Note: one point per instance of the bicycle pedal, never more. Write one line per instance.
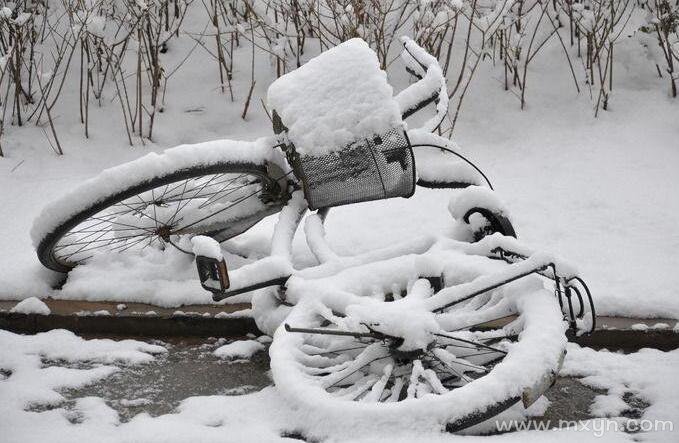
(213, 275)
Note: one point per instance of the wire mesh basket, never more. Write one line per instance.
(375, 168)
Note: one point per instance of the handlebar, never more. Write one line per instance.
(431, 86)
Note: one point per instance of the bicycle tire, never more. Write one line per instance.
(47, 236)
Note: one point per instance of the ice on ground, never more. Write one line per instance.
(334, 99)
(31, 305)
(239, 349)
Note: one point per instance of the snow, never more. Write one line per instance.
(407, 318)
(649, 374)
(335, 99)
(432, 83)
(264, 416)
(206, 246)
(437, 166)
(32, 305)
(239, 349)
(32, 382)
(476, 197)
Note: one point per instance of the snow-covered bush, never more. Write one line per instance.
(60, 55)
(659, 33)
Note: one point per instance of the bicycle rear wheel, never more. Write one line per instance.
(202, 195)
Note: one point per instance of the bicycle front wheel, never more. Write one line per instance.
(217, 188)
(363, 350)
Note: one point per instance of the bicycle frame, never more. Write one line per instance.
(277, 268)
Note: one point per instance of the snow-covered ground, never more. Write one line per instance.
(35, 369)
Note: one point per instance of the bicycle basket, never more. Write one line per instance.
(375, 168)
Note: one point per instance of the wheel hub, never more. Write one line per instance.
(164, 232)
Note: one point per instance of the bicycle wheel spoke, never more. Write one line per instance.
(137, 211)
(449, 359)
(396, 390)
(84, 246)
(134, 243)
(113, 241)
(125, 224)
(478, 345)
(369, 355)
(433, 381)
(225, 188)
(98, 240)
(180, 206)
(378, 388)
(453, 370)
(219, 211)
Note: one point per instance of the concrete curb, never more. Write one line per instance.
(133, 319)
(140, 320)
(628, 340)
(135, 326)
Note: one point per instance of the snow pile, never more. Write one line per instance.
(335, 99)
(476, 197)
(207, 247)
(648, 374)
(32, 305)
(407, 318)
(239, 349)
(32, 382)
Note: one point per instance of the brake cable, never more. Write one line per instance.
(469, 162)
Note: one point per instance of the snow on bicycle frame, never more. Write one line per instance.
(346, 140)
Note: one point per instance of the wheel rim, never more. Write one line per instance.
(153, 215)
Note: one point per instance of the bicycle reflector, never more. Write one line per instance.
(212, 273)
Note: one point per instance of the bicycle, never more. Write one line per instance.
(448, 332)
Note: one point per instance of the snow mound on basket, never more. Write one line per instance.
(335, 99)
(31, 305)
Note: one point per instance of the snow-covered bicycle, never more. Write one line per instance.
(434, 331)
